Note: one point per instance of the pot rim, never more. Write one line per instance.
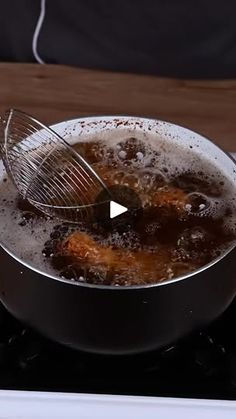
(130, 287)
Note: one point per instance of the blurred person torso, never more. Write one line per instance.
(177, 38)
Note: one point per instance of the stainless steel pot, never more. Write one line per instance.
(121, 320)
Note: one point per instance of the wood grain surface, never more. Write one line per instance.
(53, 93)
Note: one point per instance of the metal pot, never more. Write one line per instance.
(121, 320)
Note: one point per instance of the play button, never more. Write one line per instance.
(116, 209)
(120, 210)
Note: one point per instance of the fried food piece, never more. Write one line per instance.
(167, 196)
(132, 266)
(126, 266)
(87, 250)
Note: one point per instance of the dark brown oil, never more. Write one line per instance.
(167, 240)
(188, 238)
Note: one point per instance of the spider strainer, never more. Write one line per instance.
(46, 170)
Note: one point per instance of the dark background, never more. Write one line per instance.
(170, 38)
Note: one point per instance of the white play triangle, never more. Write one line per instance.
(116, 209)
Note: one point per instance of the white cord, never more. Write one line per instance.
(37, 32)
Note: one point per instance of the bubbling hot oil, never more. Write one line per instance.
(163, 244)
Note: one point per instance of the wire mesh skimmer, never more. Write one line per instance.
(46, 170)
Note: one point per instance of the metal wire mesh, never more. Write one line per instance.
(46, 170)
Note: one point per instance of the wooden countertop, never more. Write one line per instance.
(53, 93)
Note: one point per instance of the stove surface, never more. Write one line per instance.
(201, 366)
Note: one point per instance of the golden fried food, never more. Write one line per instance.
(146, 265)
(169, 196)
(87, 250)
(132, 266)
(165, 196)
(143, 265)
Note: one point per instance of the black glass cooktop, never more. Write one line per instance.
(201, 366)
